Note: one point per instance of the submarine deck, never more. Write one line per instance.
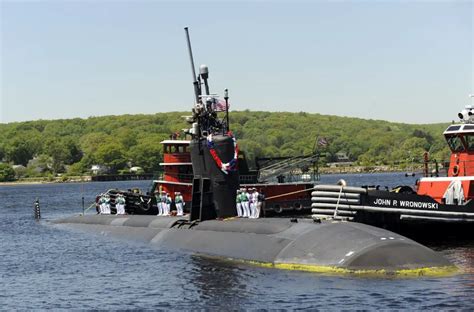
(329, 247)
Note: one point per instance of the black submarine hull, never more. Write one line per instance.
(326, 247)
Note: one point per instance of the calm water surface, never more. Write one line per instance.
(46, 266)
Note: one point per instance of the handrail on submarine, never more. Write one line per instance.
(91, 205)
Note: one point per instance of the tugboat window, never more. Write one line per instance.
(455, 143)
(453, 128)
(469, 141)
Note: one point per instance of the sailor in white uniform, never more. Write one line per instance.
(238, 202)
(256, 209)
(252, 203)
(158, 203)
(179, 203)
(120, 204)
(245, 203)
(106, 204)
(101, 203)
(163, 203)
(167, 200)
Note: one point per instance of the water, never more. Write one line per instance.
(45, 266)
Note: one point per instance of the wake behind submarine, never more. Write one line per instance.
(212, 228)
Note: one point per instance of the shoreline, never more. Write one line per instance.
(37, 181)
(325, 171)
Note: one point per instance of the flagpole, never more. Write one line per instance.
(226, 97)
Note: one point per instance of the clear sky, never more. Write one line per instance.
(394, 60)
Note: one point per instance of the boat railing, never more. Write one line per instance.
(247, 178)
(243, 178)
(297, 177)
(284, 167)
(440, 168)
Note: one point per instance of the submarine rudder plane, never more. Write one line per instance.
(212, 228)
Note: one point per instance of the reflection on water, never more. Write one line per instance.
(460, 252)
(45, 266)
(217, 283)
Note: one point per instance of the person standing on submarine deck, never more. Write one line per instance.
(120, 204)
(163, 203)
(168, 204)
(103, 204)
(261, 204)
(238, 201)
(245, 203)
(179, 203)
(255, 201)
(159, 206)
(248, 194)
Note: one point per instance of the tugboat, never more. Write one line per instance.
(212, 228)
(433, 204)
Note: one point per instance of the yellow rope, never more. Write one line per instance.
(291, 193)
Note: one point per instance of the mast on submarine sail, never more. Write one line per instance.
(214, 152)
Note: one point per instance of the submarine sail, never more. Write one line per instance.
(213, 153)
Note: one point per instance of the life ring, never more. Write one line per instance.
(298, 206)
(455, 170)
(145, 205)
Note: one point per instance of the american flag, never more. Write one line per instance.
(220, 106)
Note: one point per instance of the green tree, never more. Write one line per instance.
(22, 149)
(111, 155)
(2, 152)
(80, 143)
(40, 165)
(148, 153)
(78, 168)
(6, 173)
(63, 152)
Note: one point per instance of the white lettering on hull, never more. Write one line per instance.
(404, 204)
(382, 202)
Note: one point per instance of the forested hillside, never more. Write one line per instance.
(72, 146)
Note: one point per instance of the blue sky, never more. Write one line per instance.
(394, 60)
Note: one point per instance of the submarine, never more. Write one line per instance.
(213, 229)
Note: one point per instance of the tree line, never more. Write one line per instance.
(72, 146)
